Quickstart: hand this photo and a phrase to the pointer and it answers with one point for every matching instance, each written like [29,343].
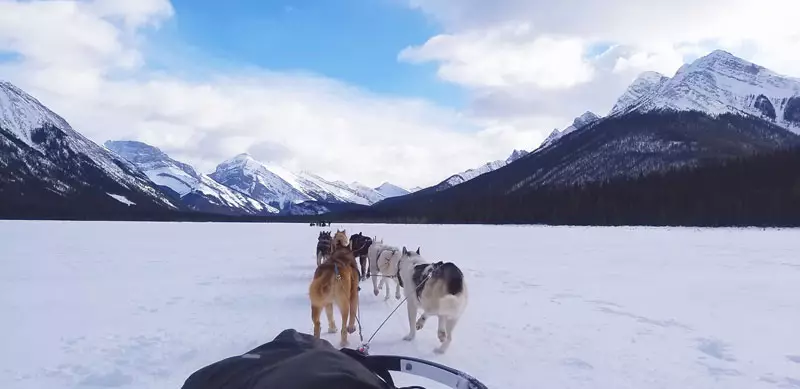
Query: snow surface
[550,307]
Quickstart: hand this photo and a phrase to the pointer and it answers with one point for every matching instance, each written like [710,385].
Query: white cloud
[509,55]
[495,49]
[84,60]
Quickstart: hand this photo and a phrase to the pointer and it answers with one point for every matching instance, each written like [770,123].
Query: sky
[405,91]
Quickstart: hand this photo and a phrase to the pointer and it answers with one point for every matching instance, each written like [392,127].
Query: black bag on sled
[295,360]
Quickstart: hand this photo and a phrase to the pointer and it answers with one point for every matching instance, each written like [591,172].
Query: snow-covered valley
[143,305]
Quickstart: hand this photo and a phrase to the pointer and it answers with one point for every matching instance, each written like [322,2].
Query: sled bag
[292,360]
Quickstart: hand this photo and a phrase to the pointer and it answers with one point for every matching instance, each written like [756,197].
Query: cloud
[505,56]
[86,60]
[529,59]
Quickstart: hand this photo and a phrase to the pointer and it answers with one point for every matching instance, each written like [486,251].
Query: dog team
[436,288]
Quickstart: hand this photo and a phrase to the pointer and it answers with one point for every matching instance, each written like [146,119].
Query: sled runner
[295,360]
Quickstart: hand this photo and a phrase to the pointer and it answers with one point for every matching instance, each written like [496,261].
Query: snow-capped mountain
[718,107]
[281,187]
[645,85]
[388,190]
[41,153]
[582,121]
[246,175]
[459,178]
[197,191]
[719,83]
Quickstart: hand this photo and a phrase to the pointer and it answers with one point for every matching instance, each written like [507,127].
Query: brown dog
[340,239]
[336,280]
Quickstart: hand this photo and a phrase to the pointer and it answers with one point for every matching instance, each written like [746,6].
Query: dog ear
[404,250]
[417,250]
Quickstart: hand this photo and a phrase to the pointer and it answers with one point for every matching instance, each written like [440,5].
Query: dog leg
[351,325]
[375,283]
[331,322]
[315,313]
[421,321]
[344,308]
[384,282]
[363,275]
[412,315]
[397,292]
[449,324]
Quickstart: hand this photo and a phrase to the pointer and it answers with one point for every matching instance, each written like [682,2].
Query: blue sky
[355,41]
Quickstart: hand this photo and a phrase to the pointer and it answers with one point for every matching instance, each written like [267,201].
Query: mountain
[580,122]
[390,190]
[49,169]
[460,178]
[758,190]
[284,189]
[646,84]
[197,191]
[715,84]
[639,139]
[246,175]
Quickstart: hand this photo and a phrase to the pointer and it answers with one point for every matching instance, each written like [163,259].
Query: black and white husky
[438,289]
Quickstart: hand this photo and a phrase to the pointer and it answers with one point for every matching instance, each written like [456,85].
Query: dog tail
[322,284]
[450,305]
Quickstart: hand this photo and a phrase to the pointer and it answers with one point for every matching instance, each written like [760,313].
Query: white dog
[438,288]
[383,261]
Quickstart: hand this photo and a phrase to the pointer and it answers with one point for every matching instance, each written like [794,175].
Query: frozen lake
[143,305]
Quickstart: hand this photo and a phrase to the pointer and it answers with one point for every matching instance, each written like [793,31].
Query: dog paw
[420,324]
[442,336]
[344,344]
[439,350]
[397,296]
[375,291]
[351,329]
[408,338]
[332,330]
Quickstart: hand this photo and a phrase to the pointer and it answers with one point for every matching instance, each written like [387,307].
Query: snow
[121,199]
[550,307]
[716,83]
[646,84]
[22,114]
[388,189]
[467,175]
[244,174]
[286,185]
[181,177]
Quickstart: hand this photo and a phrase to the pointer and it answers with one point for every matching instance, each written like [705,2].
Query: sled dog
[324,241]
[335,280]
[438,289]
[360,245]
[383,261]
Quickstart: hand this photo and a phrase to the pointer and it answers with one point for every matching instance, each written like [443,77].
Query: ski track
[135,305]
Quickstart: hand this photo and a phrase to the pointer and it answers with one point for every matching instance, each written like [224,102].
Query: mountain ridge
[43,154]
[197,191]
[721,83]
